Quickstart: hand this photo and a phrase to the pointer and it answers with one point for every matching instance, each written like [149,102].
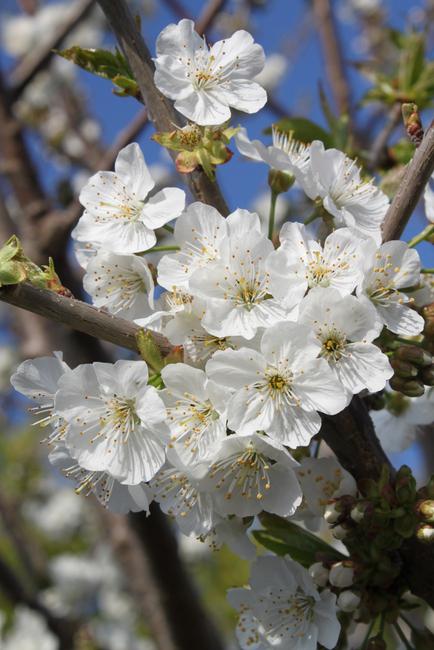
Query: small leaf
[303,130]
[149,350]
[284,537]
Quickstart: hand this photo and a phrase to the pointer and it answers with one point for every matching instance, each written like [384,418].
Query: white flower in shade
[424,294]
[283,609]
[350,199]
[345,329]
[250,474]
[169,304]
[279,389]
[236,288]
[29,632]
[397,425]
[110,493]
[118,213]
[301,263]
[200,232]
[319,574]
[231,531]
[429,201]
[38,379]
[122,284]
[115,420]
[206,82]
[389,269]
[348,601]
[196,412]
[321,480]
[285,154]
[177,490]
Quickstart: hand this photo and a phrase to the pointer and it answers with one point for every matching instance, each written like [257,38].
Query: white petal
[130,166]
[163,207]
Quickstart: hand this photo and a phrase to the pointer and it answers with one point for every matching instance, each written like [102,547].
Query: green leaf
[106,64]
[303,130]
[285,538]
[411,62]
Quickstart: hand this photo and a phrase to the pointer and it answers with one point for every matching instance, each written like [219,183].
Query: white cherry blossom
[280,389]
[429,200]
[337,181]
[110,493]
[345,328]
[282,608]
[285,154]
[38,379]
[387,270]
[206,82]
[118,214]
[250,474]
[122,284]
[236,287]
[301,263]
[115,420]
[196,412]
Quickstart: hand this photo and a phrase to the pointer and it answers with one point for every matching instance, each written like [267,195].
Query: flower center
[277,382]
[119,421]
[333,345]
[193,418]
[174,487]
[245,474]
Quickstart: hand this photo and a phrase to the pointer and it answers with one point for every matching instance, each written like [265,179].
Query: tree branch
[208,15]
[160,109]
[380,143]
[412,184]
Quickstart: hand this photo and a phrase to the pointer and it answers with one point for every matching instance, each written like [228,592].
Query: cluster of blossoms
[271,336]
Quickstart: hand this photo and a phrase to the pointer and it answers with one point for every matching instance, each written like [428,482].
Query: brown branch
[37,58]
[337,75]
[412,184]
[378,149]
[160,109]
[208,15]
[127,135]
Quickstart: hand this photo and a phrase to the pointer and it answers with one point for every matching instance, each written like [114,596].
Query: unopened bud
[376,643]
[319,574]
[280,181]
[411,388]
[427,375]
[339,532]
[414,354]
[412,123]
[341,575]
[359,511]
[425,534]
[403,368]
[425,510]
[348,601]
[331,513]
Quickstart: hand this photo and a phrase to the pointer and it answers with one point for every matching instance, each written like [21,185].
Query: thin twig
[411,186]
[127,135]
[380,143]
[38,57]
[208,15]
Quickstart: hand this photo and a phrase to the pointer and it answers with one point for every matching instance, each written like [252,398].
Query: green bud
[414,354]
[12,273]
[405,526]
[280,181]
[427,375]
[425,534]
[425,509]
[403,368]
[411,388]
[149,351]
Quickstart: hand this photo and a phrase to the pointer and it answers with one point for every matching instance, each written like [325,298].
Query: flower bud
[339,532]
[319,574]
[348,601]
[425,534]
[425,510]
[359,511]
[414,354]
[411,388]
[376,643]
[403,368]
[331,513]
[427,375]
[280,181]
[341,575]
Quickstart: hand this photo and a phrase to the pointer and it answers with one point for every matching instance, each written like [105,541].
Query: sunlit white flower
[250,474]
[280,389]
[301,263]
[388,271]
[282,608]
[429,201]
[196,412]
[350,199]
[122,284]
[285,154]
[397,425]
[206,82]
[236,287]
[199,232]
[118,214]
[110,493]
[345,328]
[321,480]
[115,420]
[38,379]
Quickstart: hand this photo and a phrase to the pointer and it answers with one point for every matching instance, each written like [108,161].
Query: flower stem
[402,636]
[408,342]
[368,634]
[160,249]
[315,214]
[168,228]
[272,214]
[424,234]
